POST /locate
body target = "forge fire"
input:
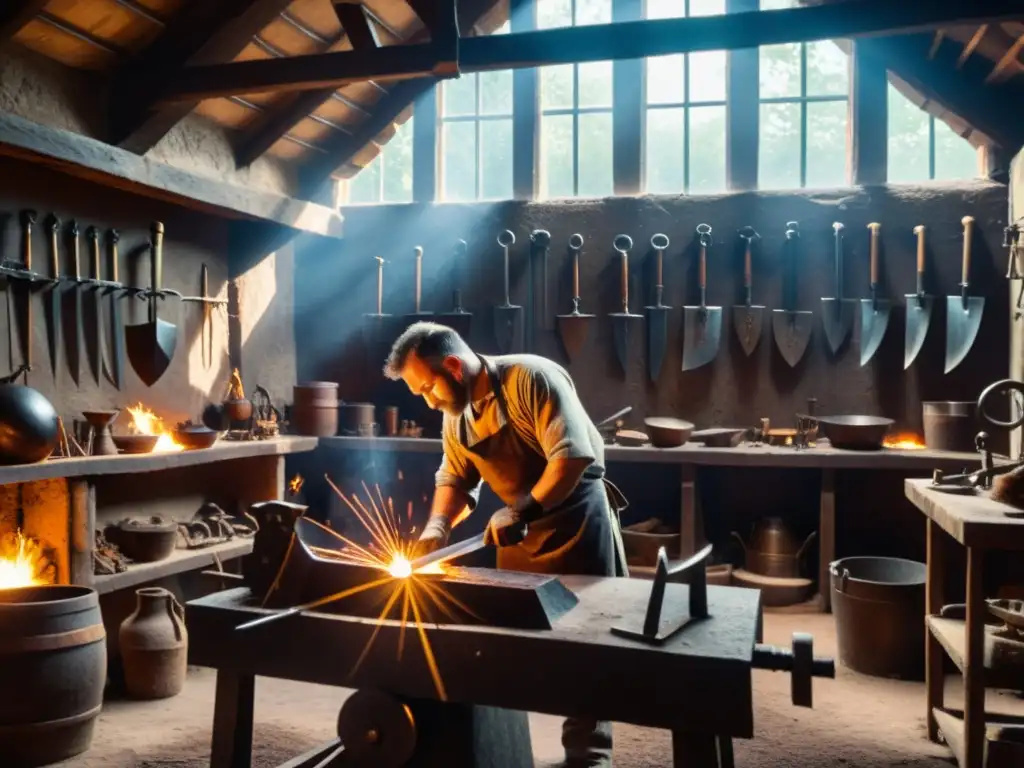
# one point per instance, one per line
(24, 562)
(145, 422)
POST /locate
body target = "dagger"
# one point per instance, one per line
(76, 361)
(53, 226)
(99, 362)
(116, 328)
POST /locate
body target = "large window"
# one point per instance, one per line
(388, 179)
(803, 95)
(923, 148)
(685, 110)
(476, 135)
(575, 110)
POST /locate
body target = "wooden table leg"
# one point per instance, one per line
(232, 720)
(974, 662)
(826, 537)
(688, 511)
(935, 597)
(694, 750)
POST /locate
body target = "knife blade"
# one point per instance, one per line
(28, 219)
(116, 327)
(99, 363)
(443, 555)
(75, 359)
(207, 330)
(53, 227)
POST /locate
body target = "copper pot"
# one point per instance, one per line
(772, 549)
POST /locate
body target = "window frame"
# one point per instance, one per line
(343, 190)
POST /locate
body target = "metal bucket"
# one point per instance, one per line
(878, 603)
(315, 409)
(950, 425)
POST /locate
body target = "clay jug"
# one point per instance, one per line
(154, 645)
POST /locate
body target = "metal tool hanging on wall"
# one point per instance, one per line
(919, 307)
(874, 311)
(75, 341)
(621, 321)
(116, 326)
(1011, 241)
(574, 327)
(748, 318)
(27, 336)
(418, 314)
(963, 312)
(508, 317)
(54, 294)
(151, 345)
(458, 318)
(702, 325)
(208, 303)
(657, 313)
(837, 311)
(540, 316)
(792, 328)
(376, 330)
(96, 340)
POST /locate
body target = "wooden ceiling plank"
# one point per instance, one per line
(357, 26)
(940, 35)
(624, 40)
(1011, 57)
(16, 15)
(972, 44)
(202, 33)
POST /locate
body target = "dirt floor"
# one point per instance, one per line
(857, 721)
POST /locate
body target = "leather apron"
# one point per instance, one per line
(580, 536)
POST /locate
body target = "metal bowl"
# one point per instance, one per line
(666, 432)
(855, 433)
(194, 438)
(136, 443)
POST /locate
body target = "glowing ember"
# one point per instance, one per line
(296, 483)
(400, 567)
(23, 563)
(145, 422)
(904, 442)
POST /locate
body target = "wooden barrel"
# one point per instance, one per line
(53, 657)
(315, 409)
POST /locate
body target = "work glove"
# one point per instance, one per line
(508, 525)
(434, 536)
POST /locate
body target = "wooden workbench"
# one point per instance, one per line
(978, 524)
(577, 668)
(689, 456)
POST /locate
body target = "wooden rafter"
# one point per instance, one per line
(357, 27)
(203, 33)
(971, 45)
(629, 40)
(1010, 58)
(15, 14)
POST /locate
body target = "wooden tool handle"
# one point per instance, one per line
(919, 230)
(74, 250)
(748, 268)
(874, 227)
(205, 280)
(702, 271)
(968, 222)
(115, 237)
(625, 281)
(157, 235)
(419, 275)
(54, 227)
(380, 285)
(94, 250)
(576, 274)
(28, 219)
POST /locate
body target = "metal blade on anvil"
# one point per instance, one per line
(443, 555)
(620, 334)
(837, 317)
(657, 338)
(573, 330)
(874, 321)
(702, 330)
(748, 320)
(508, 328)
(792, 330)
(919, 317)
(962, 323)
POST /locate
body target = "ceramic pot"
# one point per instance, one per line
(154, 645)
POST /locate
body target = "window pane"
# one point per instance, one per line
(595, 171)
(554, 13)
(827, 69)
(955, 158)
(396, 166)
(459, 155)
(826, 144)
(707, 76)
(496, 159)
(593, 12)
(707, 7)
(707, 149)
(774, 5)
(364, 187)
(595, 84)
(556, 88)
(664, 148)
(908, 139)
(779, 146)
(665, 9)
(459, 96)
(556, 153)
(495, 93)
(665, 84)
(780, 70)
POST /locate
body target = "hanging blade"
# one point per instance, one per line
(792, 328)
(919, 307)
(963, 312)
(657, 313)
(748, 318)
(702, 325)
(874, 312)
(116, 326)
(99, 362)
(837, 312)
(621, 321)
(508, 317)
(28, 219)
(207, 330)
(458, 318)
(574, 327)
(75, 343)
(54, 319)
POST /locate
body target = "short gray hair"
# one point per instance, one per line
(432, 342)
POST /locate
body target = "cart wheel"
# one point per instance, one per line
(377, 729)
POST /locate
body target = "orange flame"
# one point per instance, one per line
(22, 562)
(296, 483)
(145, 422)
(904, 441)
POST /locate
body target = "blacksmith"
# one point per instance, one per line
(516, 423)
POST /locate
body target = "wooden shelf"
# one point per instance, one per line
(974, 521)
(1000, 751)
(181, 560)
(696, 453)
(951, 634)
(87, 466)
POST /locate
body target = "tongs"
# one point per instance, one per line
(968, 482)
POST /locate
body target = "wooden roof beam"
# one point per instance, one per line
(1011, 57)
(16, 15)
(203, 33)
(356, 25)
(971, 45)
(624, 40)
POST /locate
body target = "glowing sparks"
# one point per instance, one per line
(296, 483)
(145, 422)
(23, 563)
